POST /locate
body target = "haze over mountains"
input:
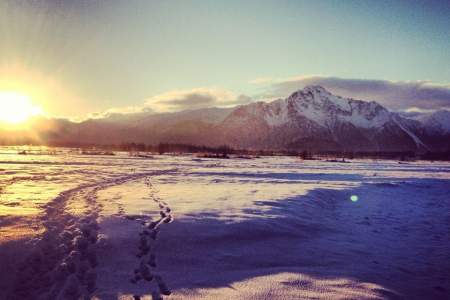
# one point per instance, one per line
(310, 119)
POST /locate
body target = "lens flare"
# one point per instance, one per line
(354, 198)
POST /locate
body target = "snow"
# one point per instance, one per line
(277, 113)
(412, 135)
(439, 120)
(318, 105)
(178, 227)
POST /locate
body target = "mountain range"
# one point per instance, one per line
(311, 119)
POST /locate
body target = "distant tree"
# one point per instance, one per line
(224, 151)
(304, 155)
(351, 155)
(292, 153)
(162, 148)
(140, 147)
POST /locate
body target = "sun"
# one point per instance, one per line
(16, 108)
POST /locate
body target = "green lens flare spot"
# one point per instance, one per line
(354, 198)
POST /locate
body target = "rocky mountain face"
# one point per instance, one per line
(311, 119)
(314, 119)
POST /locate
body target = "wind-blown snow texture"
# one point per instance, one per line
(119, 227)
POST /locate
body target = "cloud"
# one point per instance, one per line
(120, 110)
(173, 101)
(412, 97)
(194, 99)
(261, 80)
(395, 95)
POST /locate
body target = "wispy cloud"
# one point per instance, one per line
(194, 99)
(396, 95)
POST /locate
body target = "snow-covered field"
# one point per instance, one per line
(120, 227)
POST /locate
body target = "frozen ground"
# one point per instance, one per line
(117, 227)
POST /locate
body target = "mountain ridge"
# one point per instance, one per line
(310, 119)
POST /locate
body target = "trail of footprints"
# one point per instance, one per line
(147, 268)
(63, 261)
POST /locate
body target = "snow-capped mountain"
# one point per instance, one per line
(438, 121)
(315, 119)
(309, 119)
(320, 106)
(434, 130)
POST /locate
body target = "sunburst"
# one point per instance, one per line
(16, 108)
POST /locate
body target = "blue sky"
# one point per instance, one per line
(112, 54)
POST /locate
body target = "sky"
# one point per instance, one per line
(81, 57)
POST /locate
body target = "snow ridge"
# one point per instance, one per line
(418, 142)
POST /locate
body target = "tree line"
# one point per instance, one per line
(226, 150)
